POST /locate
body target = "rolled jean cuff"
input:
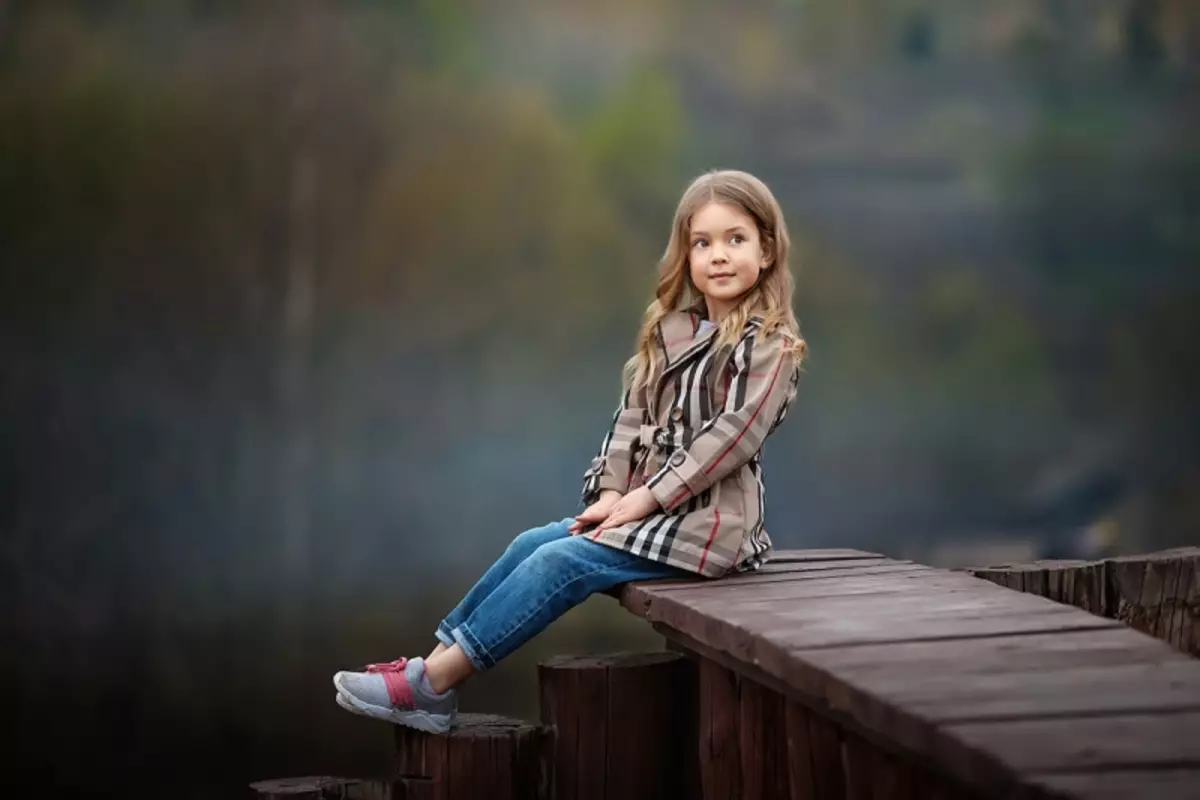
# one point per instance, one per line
(444, 635)
(475, 652)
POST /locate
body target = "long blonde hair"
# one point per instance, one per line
(771, 296)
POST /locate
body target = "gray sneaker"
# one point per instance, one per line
(397, 692)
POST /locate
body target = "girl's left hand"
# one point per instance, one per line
(630, 508)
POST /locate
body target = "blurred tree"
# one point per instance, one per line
(918, 36)
(1143, 44)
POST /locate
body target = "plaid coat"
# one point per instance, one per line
(694, 436)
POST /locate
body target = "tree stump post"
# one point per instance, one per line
(626, 725)
(483, 756)
(1159, 594)
(1156, 593)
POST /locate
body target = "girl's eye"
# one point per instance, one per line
(737, 238)
(699, 243)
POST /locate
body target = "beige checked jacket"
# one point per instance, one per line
(694, 437)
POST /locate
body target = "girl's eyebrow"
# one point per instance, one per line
(727, 230)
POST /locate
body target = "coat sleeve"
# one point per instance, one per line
(611, 466)
(762, 385)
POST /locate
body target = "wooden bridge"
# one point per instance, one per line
(845, 674)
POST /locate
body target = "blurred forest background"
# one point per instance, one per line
(310, 307)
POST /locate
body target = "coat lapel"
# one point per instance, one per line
(681, 338)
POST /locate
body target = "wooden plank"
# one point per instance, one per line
(826, 622)
(937, 592)
(634, 595)
(826, 756)
(774, 568)
(762, 742)
(801, 772)
(934, 586)
(828, 554)
(791, 572)
(857, 767)
(1001, 654)
(1126, 688)
(826, 578)
(801, 636)
(907, 570)
(720, 759)
(1119, 742)
(1160, 784)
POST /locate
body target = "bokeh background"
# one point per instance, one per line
(310, 307)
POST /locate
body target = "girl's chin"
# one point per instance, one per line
(725, 293)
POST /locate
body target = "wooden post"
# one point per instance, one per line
(1159, 594)
(1156, 593)
(483, 756)
(626, 725)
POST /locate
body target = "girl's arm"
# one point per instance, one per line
(610, 468)
(761, 387)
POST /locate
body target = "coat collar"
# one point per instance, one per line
(681, 335)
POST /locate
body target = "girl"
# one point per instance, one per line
(676, 489)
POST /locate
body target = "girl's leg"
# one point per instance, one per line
(558, 576)
(517, 551)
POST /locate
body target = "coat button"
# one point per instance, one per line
(676, 414)
(677, 460)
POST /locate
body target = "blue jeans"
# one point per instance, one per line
(543, 574)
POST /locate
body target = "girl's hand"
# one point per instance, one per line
(596, 512)
(630, 508)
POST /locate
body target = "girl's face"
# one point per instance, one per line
(725, 255)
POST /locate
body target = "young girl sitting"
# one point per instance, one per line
(676, 489)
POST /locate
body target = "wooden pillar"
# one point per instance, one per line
(1159, 594)
(1156, 593)
(483, 756)
(626, 725)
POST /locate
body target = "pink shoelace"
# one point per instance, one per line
(399, 692)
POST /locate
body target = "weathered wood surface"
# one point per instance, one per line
(483, 756)
(947, 685)
(331, 788)
(757, 744)
(1156, 593)
(625, 725)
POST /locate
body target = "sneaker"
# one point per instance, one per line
(397, 692)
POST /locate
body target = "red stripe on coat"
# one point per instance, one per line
(711, 536)
(683, 492)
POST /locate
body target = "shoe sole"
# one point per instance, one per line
(415, 719)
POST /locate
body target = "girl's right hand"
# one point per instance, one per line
(596, 512)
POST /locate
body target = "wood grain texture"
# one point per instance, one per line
(1156, 593)
(626, 724)
(934, 683)
(501, 757)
